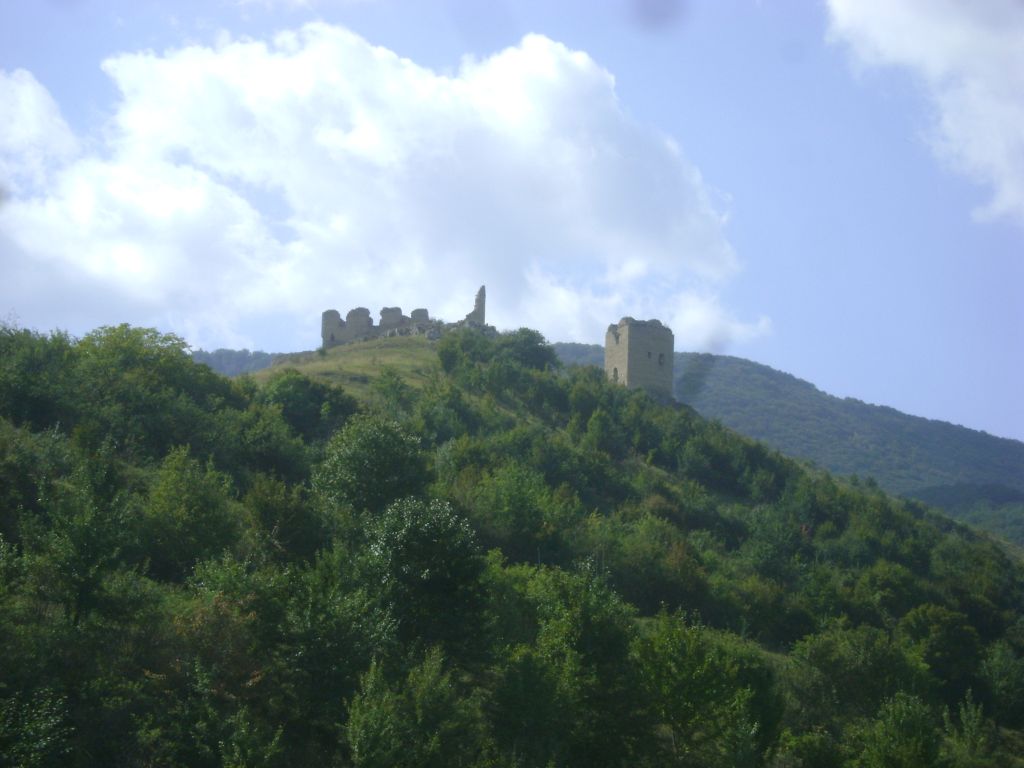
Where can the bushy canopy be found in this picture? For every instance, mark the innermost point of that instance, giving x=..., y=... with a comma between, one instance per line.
x=511, y=565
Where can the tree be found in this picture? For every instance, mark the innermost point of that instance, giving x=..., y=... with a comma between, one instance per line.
x=1003, y=673
x=285, y=516
x=902, y=735
x=313, y=409
x=35, y=378
x=970, y=740
x=188, y=516
x=697, y=693
x=423, y=722
x=584, y=633
x=34, y=733
x=510, y=506
x=527, y=348
x=947, y=643
x=333, y=628
x=426, y=561
x=600, y=435
x=845, y=672
x=371, y=461
x=146, y=394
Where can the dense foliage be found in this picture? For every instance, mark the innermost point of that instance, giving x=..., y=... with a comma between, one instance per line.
x=972, y=475
x=515, y=565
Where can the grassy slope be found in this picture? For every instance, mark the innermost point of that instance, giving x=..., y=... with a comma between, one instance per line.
x=355, y=366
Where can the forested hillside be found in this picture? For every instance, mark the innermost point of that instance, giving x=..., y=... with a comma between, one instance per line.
x=964, y=471
x=503, y=565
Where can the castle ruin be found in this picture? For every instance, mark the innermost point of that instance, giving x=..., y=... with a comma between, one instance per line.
x=639, y=354
x=358, y=324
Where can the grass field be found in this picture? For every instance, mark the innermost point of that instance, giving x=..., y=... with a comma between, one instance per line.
x=354, y=366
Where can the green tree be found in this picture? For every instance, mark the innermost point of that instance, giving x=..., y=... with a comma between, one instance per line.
x=527, y=348
x=85, y=542
x=584, y=634
x=371, y=461
x=533, y=717
x=1003, y=673
x=970, y=739
x=313, y=409
x=188, y=517
x=426, y=721
x=146, y=394
x=602, y=435
x=30, y=464
x=947, y=644
x=333, y=628
x=36, y=383
x=888, y=590
x=902, y=735
x=512, y=506
x=698, y=695
x=425, y=558
x=442, y=412
x=257, y=440
x=391, y=394
x=845, y=672
x=34, y=731
x=285, y=516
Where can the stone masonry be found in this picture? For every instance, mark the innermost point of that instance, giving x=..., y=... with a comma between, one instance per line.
x=639, y=354
x=358, y=324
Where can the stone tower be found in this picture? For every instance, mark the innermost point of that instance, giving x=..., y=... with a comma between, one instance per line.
x=639, y=355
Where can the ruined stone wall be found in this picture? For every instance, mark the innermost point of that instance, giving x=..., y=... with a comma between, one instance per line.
x=330, y=327
x=639, y=354
x=358, y=325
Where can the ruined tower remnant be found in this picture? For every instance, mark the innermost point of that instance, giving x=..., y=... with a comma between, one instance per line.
x=478, y=315
x=639, y=355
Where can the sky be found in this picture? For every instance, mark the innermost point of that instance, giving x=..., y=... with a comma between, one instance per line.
x=834, y=188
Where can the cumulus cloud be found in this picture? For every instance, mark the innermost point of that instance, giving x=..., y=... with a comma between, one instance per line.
x=970, y=57
x=243, y=187
x=33, y=135
x=701, y=322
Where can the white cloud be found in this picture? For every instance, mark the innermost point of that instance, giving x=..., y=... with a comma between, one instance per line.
x=701, y=322
x=243, y=187
x=970, y=56
x=33, y=135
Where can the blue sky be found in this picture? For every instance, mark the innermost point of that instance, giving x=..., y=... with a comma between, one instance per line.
x=835, y=189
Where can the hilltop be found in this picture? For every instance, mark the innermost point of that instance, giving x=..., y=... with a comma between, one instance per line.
x=907, y=455
x=490, y=561
x=974, y=476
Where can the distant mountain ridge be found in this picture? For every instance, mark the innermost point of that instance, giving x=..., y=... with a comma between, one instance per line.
x=906, y=455
x=234, y=362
